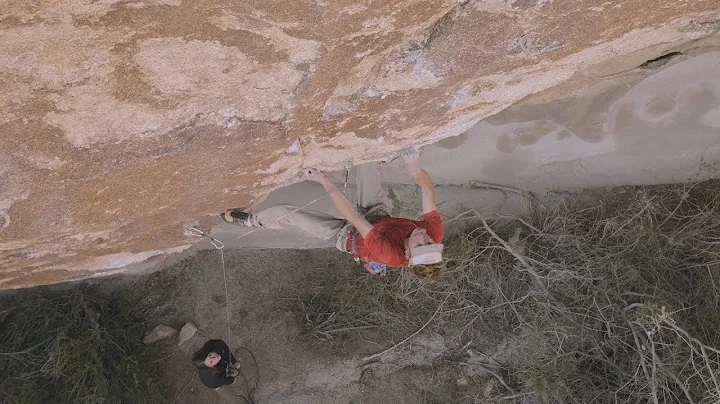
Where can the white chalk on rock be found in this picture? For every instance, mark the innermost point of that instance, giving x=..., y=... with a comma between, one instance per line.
x=187, y=332
x=294, y=148
x=159, y=333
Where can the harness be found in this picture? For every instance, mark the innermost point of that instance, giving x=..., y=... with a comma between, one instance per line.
x=351, y=244
x=374, y=268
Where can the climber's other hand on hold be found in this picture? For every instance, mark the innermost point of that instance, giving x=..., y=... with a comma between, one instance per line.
x=232, y=372
x=411, y=157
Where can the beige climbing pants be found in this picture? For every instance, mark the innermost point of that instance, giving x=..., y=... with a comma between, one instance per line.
x=371, y=202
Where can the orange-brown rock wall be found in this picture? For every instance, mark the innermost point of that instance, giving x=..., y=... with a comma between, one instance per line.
x=123, y=121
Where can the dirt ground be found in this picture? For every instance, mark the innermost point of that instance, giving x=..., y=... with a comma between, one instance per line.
x=267, y=289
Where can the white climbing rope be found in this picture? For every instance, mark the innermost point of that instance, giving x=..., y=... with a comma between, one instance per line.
x=219, y=245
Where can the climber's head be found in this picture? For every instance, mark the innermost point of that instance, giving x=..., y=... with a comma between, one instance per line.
x=424, y=255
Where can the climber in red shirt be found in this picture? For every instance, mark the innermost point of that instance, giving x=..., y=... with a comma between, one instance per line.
x=371, y=236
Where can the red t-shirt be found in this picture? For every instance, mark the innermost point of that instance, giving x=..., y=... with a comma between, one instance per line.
x=386, y=241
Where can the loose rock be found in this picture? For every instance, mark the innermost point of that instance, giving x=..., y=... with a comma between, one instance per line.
x=187, y=332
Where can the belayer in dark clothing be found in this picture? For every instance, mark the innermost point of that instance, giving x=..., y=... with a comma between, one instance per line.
x=218, y=368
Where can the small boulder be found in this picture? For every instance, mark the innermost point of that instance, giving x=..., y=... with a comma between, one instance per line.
x=187, y=332
x=159, y=333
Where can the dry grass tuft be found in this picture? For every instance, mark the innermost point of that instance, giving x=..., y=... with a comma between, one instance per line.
x=75, y=347
x=609, y=296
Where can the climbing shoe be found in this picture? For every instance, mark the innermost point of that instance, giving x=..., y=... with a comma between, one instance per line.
x=236, y=216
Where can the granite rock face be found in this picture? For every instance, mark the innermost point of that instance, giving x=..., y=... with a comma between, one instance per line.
x=121, y=122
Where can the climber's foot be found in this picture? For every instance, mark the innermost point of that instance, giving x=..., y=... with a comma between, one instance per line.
x=236, y=216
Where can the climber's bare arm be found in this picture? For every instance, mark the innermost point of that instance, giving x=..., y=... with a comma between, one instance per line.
x=340, y=200
x=428, y=191
x=423, y=179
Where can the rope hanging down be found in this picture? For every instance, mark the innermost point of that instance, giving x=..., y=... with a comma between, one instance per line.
x=219, y=245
